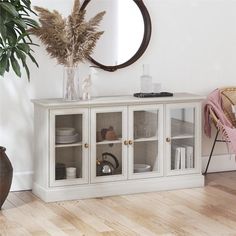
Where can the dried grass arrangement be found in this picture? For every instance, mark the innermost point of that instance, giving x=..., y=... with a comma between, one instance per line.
x=70, y=40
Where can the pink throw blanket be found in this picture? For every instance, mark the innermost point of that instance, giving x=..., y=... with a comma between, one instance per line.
x=214, y=103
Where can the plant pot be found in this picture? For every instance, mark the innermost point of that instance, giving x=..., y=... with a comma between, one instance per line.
x=6, y=172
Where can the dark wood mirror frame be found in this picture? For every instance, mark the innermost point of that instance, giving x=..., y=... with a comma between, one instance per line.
x=143, y=46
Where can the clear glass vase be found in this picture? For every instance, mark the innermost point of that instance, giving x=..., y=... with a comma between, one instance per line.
x=71, y=84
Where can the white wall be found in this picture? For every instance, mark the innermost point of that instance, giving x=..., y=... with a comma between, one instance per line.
x=193, y=48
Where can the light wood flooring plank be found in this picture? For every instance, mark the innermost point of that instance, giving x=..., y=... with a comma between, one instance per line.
x=200, y=211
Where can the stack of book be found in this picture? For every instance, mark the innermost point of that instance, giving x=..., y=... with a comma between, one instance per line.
x=182, y=157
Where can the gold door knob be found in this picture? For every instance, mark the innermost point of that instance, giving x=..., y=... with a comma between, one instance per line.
x=126, y=142
x=86, y=145
x=130, y=142
x=168, y=140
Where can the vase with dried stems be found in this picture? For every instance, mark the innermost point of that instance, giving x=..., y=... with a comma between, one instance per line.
x=70, y=40
x=71, y=83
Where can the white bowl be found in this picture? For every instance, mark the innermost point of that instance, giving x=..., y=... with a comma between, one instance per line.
x=67, y=139
x=65, y=131
x=139, y=168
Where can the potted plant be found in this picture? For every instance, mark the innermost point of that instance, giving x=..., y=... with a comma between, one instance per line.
x=15, y=47
x=70, y=40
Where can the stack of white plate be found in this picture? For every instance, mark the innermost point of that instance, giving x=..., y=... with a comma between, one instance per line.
x=139, y=168
x=66, y=135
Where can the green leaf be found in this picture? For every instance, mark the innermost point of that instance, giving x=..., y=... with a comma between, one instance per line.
x=9, y=8
x=9, y=52
x=1, y=52
x=27, y=71
x=29, y=38
x=27, y=3
x=11, y=36
x=33, y=59
x=25, y=13
x=21, y=36
x=3, y=30
x=30, y=10
x=19, y=29
x=8, y=66
x=33, y=44
x=15, y=41
x=24, y=34
x=15, y=65
x=21, y=56
x=23, y=47
x=3, y=65
x=31, y=22
x=20, y=22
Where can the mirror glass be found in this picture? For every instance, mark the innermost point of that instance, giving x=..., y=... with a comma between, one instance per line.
x=124, y=30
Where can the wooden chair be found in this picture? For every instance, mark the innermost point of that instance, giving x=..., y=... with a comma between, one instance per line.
x=228, y=96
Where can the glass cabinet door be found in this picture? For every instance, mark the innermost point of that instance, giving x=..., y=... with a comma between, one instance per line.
x=183, y=127
x=69, y=147
x=108, y=151
x=145, y=141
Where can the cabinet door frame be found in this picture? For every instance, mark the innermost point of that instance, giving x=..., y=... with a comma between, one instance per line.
x=160, y=154
x=197, y=138
x=108, y=178
x=85, y=151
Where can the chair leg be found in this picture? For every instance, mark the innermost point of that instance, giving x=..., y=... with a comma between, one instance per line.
x=209, y=160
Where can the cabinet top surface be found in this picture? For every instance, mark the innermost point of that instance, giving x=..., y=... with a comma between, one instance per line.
x=117, y=100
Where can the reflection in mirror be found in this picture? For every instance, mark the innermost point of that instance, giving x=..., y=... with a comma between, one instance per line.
x=127, y=28
x=124, y=30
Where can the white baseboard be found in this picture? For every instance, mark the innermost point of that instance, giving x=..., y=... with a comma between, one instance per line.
x=219, y=163
x=22, y=181
x=118, y=187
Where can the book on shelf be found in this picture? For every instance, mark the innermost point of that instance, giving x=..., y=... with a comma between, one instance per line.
x=176, y=158
x=182, y=157
x=189, y=163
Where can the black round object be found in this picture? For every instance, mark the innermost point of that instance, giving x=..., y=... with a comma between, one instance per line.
x=105, y=167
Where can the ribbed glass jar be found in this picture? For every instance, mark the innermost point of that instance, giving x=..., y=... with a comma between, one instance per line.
x=71, y=84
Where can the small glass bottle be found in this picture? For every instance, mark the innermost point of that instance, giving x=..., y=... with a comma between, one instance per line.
x=146, y=80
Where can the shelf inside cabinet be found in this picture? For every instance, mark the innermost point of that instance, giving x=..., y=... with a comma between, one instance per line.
x=183, y=136
x=154, y=138
x=181, y=129
x=109, y=141
x=62, y=145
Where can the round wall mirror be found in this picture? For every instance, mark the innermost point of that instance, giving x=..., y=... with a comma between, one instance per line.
x=127, y=32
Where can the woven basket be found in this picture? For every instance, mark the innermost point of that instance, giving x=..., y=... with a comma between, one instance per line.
x=228, y=96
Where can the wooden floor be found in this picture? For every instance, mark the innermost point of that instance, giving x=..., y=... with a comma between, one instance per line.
x=203, y=211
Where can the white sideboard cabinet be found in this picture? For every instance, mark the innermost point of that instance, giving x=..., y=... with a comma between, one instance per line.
x=152, y=144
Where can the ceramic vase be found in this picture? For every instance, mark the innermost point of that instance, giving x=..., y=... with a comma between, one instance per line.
x=71, y=84
x=6, y=172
